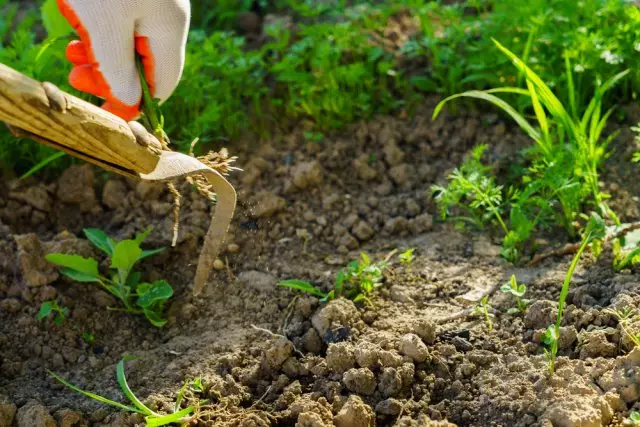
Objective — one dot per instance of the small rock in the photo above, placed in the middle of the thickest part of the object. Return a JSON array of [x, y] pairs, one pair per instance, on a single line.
[[393, 154], [38, 197], [258, 280], [311, 419], [360, 381], [348, 241], [363, 231], [114, 194], [266, 204], [233, 248], [367, 354], [76, 187], [413, 208], [579, 412], [36, 271], [69, 418], [411, 345], [624, 377], [275, 356], [421, 223], [425, 329], [7, 414], [10, 305], [218, 264], [402, 174], [396, 225], [595, 344], [306, 175], [338, 312], [389, 407], [540, 314], [34, 415], [340, 357], [311, 341], [390, 382], [355, 413], [363, 169], [149, 190]]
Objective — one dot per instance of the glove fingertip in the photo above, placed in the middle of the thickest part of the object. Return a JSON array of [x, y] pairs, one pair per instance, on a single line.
[[76, 53]]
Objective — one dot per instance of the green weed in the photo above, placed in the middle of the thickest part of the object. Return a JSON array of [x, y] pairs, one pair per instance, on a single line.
[[595, 230], [407, 257], [482, 309], [152, 418], [49, 308], [88, 337], [123, 283], [356, 282], [563, 164], [517, 290], [626, 317], [634, 419]]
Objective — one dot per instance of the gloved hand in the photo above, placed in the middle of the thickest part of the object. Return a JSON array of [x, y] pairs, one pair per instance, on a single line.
[[111, 31]]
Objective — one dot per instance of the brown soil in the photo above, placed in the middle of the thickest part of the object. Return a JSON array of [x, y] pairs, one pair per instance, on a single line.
[[266, 358]]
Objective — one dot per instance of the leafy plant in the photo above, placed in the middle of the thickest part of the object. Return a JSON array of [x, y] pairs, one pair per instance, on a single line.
[[563, 164], [136, 296], [407, 257], [152, 418], [595, 230], [483, 309], [88, 337], [517, 290], [49, 308], [356, 282]]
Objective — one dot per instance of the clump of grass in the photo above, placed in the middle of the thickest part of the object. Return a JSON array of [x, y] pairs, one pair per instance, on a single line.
[[518, 290], [595, 230], [626, 317], [357, 281], [125, 284], [407, 257], [562, 178], [52, 308], [152, 418]]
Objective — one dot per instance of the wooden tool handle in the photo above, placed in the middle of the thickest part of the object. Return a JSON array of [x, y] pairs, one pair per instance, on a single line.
[[76, 126]]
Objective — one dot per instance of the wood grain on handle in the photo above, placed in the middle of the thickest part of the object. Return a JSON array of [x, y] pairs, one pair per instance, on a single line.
[[70, 122]]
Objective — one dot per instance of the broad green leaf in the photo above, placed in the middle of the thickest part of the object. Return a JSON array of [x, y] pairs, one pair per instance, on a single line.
[[148, 293], [87, 266], [125, 255], [45, 310], [154, 318], [303, 286], [122, 380], [55, 24], [79, 276], [96, 397], [133, 279], [100, 240]]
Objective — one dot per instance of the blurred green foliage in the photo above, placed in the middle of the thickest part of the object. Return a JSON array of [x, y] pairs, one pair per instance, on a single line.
[[329, 71]]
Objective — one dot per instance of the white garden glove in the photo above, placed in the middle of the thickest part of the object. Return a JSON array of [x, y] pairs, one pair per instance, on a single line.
[[111, 31]]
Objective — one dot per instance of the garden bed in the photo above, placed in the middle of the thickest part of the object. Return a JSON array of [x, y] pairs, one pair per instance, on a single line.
[[417, 356]]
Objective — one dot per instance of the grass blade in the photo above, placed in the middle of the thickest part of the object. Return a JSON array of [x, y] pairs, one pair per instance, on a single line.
[[42, 164], [95, 396], [477, 94], [571, 87], [122, 380], [163, 420]]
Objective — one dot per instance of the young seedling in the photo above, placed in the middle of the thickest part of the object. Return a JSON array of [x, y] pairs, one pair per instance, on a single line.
[[88, 337], [626, 251], [626, 316], [595, 230], [356, 282], [407, 257], [634, 419], [49, 308], [483, 309], [517, 290], [136, 296], [153, 419]]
